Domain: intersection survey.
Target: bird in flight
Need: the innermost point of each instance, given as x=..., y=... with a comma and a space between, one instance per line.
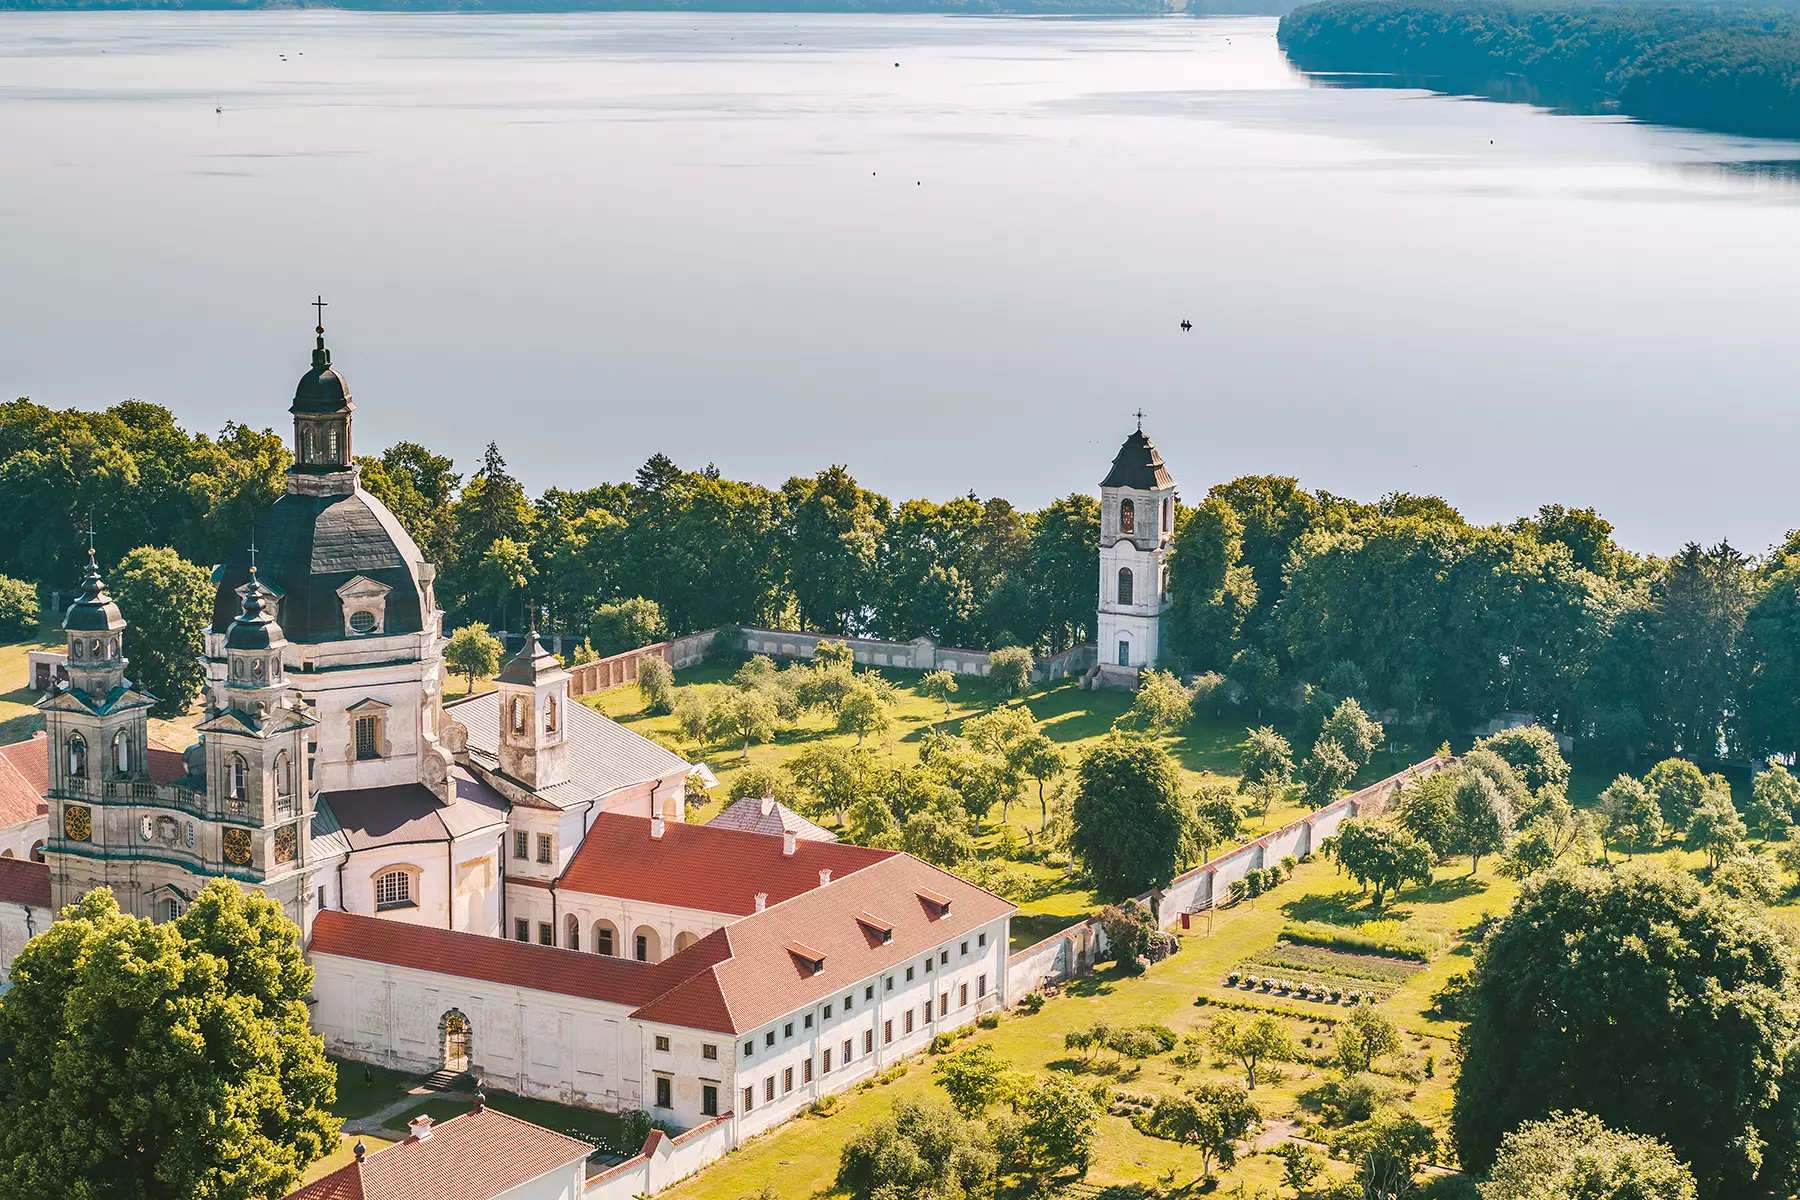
x=1186, y=325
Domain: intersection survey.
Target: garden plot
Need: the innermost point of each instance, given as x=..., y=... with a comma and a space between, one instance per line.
x=1322, y=975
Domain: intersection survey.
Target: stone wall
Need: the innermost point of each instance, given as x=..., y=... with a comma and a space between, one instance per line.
x=1074, y=950
x=664, y=1161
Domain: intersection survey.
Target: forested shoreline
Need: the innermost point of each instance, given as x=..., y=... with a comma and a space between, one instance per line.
x=1705, y=66
x=1295, y=596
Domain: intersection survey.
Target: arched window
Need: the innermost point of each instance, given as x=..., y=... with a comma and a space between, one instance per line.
x=1127, y=516
x=518, y=714
x=306, y=444
x=37, y=851
x=550, y=714
x=121, y=753
x=646, y=945
x=606, y=938
x=1124, y=585
x=572, y=932
x=77, y=756
x=76, y=649
x=284, y=785
x=684, y=939
x=331, y=444
x=238, y=782
x=112, y=647
x=393, y=889
x=1168, y=521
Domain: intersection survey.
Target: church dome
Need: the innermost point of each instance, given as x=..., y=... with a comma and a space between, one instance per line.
x=1138, y=466
x=93, y=611
x=308, y=547
x=322, y=389
x=255, y=627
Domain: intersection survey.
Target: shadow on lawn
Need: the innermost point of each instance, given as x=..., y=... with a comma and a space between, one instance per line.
x=1445, y=890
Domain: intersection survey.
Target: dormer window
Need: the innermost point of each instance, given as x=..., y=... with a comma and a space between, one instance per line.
x=1127, y=517
x=365, y=606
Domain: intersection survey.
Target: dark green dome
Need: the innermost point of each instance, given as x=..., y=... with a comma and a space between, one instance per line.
x=93, y=611
x=255, y=627
x=321, y=389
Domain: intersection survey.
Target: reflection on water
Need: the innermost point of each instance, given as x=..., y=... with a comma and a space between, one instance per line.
x=1509, y=89
x=955, y=254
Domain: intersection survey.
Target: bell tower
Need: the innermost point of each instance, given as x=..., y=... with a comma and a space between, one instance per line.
x=1137, y=521
x=98, y=724
x=257, y=775
x=534, y=694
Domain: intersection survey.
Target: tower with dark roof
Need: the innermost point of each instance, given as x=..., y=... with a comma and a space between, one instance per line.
x=98, y=723
x=1137, y=520
x=534, y=696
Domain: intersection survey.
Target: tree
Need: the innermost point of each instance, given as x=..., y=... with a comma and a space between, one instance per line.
x=1213, y=1119
x=1646, y=1000
x=1129, y=784
x=1258, y=674
x=1631, y=817
x=1572, y=1154
x=1042, y=760
x=694, y=713
x=1326, y=772
x=1061, y=1122
x=1211, y=592
x=974, y=1079
x=169, y=602
x=1216, y=814
x=1774, y=801
x=865, y=711
x=1265, y=767
x=1751, y=877
x=1160, y=705
x=833, y=777
x=1263, y=1038
x=1300, y=1165
x=831, y=541
x=930, y=835
x=163, y=1061
x=1010, y=668
x=656, y=683
x=623, y=625
x=1427, y=810
x=473, y=651
x=1484, y=820
x=742, y=714
x=756, y=782
x=19, y=609
x=1378, y=855
x=938, y=685
x=1364, y=1036
x=503, y=572
x=1558, y=832
x=1678, y=787
x=1532, y=752
x=1349, y=726
x=1716, y=826
x=921, y=1148
x=1007, y=735
x=1128, y=928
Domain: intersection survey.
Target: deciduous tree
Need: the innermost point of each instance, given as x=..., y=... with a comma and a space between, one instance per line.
x=473, y=651
x=169, y=602
x=1572, y=1154
x=1252, y=1040
x=1213, y=1119
x=1128, y=783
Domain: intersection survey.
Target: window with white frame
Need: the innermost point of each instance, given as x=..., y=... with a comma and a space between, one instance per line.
x=393, y=889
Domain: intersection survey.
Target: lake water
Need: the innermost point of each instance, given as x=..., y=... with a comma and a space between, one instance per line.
x=953, y=253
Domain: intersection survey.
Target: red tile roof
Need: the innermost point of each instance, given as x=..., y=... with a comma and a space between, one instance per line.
x=500, y=960
x=25, y=882
x=734, y=979
x=703, y=867
x=25, y=776
x=20, y=801
x=475, y=1156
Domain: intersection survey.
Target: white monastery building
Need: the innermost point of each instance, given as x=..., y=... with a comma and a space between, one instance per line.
x=504, y=885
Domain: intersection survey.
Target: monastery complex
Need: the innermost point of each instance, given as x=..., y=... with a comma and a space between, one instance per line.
x=506, y=884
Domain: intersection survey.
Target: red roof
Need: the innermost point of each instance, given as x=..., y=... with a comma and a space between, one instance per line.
x=25, y=776
x=734, y=979
x=25, y=882
x=703, y=867
x=501, y=960
x=474, y=1156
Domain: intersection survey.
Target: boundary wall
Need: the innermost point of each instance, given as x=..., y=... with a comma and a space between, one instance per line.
x=1073, y=951
x=920, y=654
x=664, y=1161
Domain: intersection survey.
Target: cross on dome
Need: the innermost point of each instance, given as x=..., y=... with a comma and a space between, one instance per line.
x=320, y=303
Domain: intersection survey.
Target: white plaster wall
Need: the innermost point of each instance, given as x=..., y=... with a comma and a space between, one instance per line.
x=19, y=839
x=19, y=923
x=565, y=1183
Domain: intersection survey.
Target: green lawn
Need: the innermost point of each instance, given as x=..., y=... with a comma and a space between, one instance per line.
x=343, y=1155
x=363, y=1089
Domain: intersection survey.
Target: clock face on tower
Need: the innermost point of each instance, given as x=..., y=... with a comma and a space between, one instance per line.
x=78, y=823
x=237, y=847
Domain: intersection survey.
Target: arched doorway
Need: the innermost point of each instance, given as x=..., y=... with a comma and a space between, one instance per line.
x=684, y=939
x=455, y=1031
x=646, y=946
x=572, y=932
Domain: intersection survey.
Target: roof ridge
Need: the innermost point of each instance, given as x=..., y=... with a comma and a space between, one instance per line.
x=489, y=1111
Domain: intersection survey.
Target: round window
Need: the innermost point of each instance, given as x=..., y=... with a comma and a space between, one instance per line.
x=362, y=622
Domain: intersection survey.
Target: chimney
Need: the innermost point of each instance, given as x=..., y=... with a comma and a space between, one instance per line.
x=768, y=805
x=420, y=1128
x=787, y=843
x=656, y=827
x=762, y=901
x=824, y=876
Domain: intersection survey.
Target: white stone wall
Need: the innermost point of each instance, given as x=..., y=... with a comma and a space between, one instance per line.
x=457, y=885
x=19, y=923
x=16, y=841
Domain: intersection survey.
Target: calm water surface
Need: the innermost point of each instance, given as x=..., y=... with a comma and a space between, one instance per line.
x=756, y=240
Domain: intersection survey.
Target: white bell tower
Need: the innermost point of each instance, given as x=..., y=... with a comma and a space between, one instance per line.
x=1137, y=520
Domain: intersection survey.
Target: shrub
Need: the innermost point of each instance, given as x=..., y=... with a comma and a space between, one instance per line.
x=989, y=1020
x=1397, y=945
x=942, y=1042
x=824, y=1106
x=18, y=608
x=656, y=684
x=1032, y=1001
x=728, y=645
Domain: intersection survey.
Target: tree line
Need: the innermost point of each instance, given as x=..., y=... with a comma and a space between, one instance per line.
x=1730, y=69
x=1293, y=599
